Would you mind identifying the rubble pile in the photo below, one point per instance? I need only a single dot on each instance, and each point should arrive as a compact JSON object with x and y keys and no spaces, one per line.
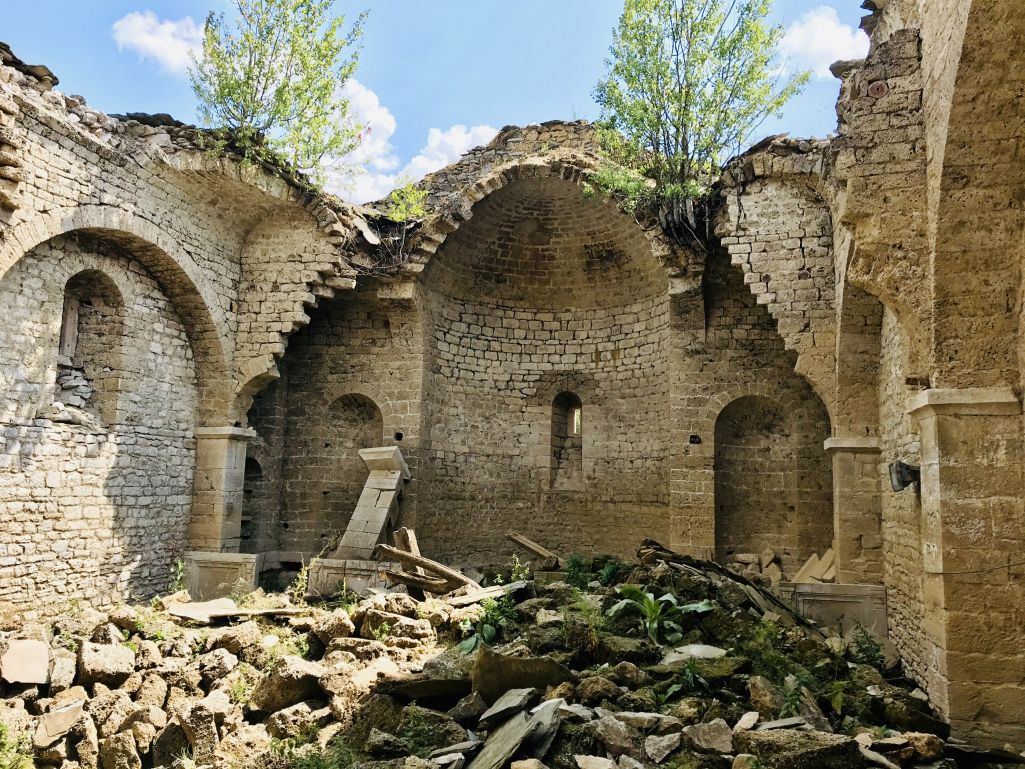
{"x":669,"y":662}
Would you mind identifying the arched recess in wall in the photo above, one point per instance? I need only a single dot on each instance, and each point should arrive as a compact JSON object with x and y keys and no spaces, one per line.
{"x":322,"y":470}
{"x":90,"y":346}
{"x":171,"y":266}
{"x":773,"y":481}
{"x":252,"y":486}
{"x":539,"y":290}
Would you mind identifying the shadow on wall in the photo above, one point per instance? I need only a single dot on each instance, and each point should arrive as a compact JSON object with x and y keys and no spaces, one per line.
{"x":773,"y":481}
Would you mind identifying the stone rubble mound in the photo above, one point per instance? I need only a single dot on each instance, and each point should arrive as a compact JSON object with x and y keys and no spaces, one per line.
{"x":670,"y":662}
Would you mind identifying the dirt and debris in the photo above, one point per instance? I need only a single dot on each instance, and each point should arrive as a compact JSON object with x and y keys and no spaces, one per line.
{"x":669,"y":661}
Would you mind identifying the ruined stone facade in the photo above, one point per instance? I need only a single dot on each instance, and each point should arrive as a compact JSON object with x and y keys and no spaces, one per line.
{"x":193,"y":351}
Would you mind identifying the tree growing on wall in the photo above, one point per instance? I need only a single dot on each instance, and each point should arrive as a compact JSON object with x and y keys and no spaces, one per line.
{"x":687,"y":82}
{"x":274,"y":75}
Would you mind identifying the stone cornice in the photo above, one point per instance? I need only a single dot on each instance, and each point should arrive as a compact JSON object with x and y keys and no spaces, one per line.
{"x":858,"y":445}
{"x":969,"y":401}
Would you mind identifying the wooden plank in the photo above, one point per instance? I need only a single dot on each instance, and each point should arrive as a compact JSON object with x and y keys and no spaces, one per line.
{"x":405,"y":539}
{"x":425,"y":563}
{"x":476,"y":596}
{"x":420,"y":582}
{"x":533,"y":547}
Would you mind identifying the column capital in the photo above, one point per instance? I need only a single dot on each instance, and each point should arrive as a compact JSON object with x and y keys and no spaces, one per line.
{"x":967,"y":401}
{"x":858,"y":445}
{"x":230,"y":433}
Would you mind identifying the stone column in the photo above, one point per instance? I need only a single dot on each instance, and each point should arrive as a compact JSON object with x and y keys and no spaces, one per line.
{"x":216,"y":521}
{"x":857,"y":510}
{"x":973,"y":532}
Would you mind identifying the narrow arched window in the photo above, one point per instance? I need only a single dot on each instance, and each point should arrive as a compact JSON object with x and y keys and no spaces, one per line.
{"x":567,"y":441}
{"x":89,"y":349}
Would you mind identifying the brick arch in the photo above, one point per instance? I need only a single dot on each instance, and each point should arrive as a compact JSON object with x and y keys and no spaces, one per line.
{"x":576,"y":169}
{"x":978,"y":221}
{"x":173,"y":269}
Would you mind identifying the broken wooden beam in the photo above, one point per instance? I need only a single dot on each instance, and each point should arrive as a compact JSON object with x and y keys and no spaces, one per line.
{"x":550,"y":557}
{"x":408,"y":559}
{"x":478,"y":595}
{"x":420,"y":582}
{"x":405,"y":539}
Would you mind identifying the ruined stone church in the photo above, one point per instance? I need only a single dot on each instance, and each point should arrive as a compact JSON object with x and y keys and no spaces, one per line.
{"x":194,"y":350}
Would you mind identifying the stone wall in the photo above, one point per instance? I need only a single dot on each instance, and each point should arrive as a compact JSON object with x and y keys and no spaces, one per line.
{"x":351,"y":380}
{"x":544,"y":292}
{"x":84,"y":490}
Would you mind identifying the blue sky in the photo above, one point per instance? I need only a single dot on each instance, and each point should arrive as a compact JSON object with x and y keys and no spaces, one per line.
{"x":435,"y":77}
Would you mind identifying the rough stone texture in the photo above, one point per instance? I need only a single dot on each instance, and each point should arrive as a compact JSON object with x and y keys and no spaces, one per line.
{"x":149,"y":290}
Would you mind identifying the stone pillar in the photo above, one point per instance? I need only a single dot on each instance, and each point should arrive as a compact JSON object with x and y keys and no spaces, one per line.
{"x":857,"y":510}
{"x":973,"y":532}
{"x":216,"y":522}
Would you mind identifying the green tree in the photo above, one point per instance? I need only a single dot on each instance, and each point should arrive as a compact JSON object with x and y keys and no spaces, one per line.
{"x":276,"y":73}
{"x":687,"y":82}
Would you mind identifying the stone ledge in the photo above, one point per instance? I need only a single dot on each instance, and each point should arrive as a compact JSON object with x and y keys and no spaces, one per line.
{"x":853,"y":445}
{"x":229,"y":433}
{"x":969,"y":401}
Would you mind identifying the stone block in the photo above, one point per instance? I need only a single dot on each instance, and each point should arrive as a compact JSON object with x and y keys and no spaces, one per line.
{"x":214,"y":575}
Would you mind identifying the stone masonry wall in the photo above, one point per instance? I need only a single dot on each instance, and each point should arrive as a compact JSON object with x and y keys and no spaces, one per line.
{"x":544,"y":292}
{"x":352,"y":380}
{"x":81,"y":497}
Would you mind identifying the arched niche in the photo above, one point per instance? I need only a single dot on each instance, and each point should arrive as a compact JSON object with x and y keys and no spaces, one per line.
{"x":773,"y":481}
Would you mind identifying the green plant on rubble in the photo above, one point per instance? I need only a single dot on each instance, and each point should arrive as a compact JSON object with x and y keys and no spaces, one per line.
{"x":419,"y":734}
{"x":660,"y":617}
{"x":300,"y":585}
{"x":496,"y":613}
{"x":578,"y":572}
{"x":865,"y":649}
{"x":518,"y":571}
{"x":177,"y":580}
{"x":612,"y":571}
{"x":381,"y":632}
{"x":15,"y":749}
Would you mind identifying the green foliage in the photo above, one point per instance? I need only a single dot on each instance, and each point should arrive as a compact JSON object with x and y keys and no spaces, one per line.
{"x":343,"y":598}
{"x":419,"y":734}
{"x":276,"y":72}
{"x":337,"y":755}
{"x":865,"y":649}
{"x":66,"y":640}
{"x":177,"y":580}
{"x":766,"y":648}
{"x":300,"y":585}
{"x":613,"y":571}
{"x":148,"y":623}
{"x":793,"y":692}
{"x":496,"y":614}
{"x":518,"y":570}
{"x":15,"y":749}
{"x":381,"y":632}
{"x":578,"y":572}
{"x":289,"y":643}
{"x":660,"y":617}
{"x":687,"y":82}
{"x":630,"y":188}
{"x":406,"y":202}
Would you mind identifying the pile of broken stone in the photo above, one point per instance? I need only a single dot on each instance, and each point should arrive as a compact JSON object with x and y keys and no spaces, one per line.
{"x":380,"y":683}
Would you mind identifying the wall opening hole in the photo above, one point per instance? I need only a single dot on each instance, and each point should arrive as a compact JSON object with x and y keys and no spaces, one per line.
{"x":399,"y":436}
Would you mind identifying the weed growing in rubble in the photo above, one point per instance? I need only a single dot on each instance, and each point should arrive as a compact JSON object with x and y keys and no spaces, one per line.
{"x":865,"y":649}
{"x":15,"y":749}
{"x":613,"y":571}
{"x":177,"y":581}
{"x":67,"y":641}
{"x":417,"y":732}
{"x":660,"y":617}
{"x":496,"y":614}
{"x":764,"y":647}
{"x":381,"y":632}
{"x":518,"y":570}
{"x":578,"y":574}
{"x":300,"y":585}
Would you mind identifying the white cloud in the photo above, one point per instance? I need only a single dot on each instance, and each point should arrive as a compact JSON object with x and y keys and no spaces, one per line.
{"x":819,"y":38}
{"x":376,"y":161}
{"x":167,"y":41}
{"x":444,"y":147}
